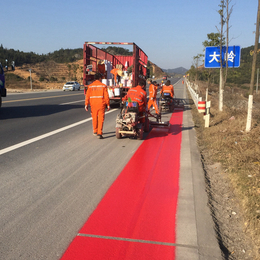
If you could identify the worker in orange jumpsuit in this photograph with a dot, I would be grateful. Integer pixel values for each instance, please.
(152, 96)
(97, 97)
(138, 94)
(168, 88)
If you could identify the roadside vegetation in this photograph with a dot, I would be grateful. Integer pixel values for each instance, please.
(235, 152)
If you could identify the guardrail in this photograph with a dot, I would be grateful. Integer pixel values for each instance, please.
(193, 88)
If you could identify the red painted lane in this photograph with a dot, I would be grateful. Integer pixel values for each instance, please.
(141, 204)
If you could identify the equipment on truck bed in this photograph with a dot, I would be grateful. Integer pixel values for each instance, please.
(126, 70)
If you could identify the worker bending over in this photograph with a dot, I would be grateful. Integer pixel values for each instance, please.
(152, 96)
(97, 97)
(138, 94)
(167, 88)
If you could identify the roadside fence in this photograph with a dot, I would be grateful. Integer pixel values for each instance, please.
(202, 106)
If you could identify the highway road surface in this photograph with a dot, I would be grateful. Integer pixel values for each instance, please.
(57, 179)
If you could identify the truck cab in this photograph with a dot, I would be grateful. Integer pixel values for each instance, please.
(2, 84)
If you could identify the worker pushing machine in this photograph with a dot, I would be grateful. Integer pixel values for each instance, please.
(138, 94)
(152, 96)
(97, 97)
(167, 88)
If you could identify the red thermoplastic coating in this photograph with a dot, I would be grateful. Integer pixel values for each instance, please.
(136, 217)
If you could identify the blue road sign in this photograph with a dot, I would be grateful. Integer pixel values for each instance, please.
(212, 56)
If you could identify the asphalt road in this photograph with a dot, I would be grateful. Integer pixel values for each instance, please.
(54, 172)
(49, 185)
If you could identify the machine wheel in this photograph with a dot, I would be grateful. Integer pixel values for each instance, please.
(172, 107)
(140, 133)
(160, 108)
(118, 135)
(158, 118)
(146, 125)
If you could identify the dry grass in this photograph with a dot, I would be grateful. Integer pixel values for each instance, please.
(226, 142)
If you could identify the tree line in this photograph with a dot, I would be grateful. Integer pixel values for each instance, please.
(60, 56)
(20, 57)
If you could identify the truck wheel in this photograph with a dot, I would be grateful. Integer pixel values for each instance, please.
(140, 133)
(118, 135)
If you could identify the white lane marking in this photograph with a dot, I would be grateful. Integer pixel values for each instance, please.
(35, 139)
(72, 102)
(20, 100)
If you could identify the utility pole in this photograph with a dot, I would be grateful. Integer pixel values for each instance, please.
(257, 77)
(30, 78)
(221, 82)
(251, 91)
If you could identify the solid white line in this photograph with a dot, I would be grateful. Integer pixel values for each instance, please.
(35, 139)
(72, 102)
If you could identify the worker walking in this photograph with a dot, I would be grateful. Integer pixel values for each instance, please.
(97, 97)
(152, 96)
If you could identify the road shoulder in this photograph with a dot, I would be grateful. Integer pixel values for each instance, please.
(195, 227)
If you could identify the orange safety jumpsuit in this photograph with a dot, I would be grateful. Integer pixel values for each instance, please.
(97, 97)
(152, 98)
(137, 94)
(168, 89)
(115, 72)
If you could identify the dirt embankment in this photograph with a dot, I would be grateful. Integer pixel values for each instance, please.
(231, 160)
(45, 75)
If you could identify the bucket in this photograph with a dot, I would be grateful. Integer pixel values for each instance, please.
(110, 92)
(105, 81)
(124, 82)
(110, 82)
(117, 92)
(129, 83)
(202, 106)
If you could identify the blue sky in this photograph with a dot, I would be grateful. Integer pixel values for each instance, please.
(170, 32)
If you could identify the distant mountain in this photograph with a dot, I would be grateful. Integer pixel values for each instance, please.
(179, 70)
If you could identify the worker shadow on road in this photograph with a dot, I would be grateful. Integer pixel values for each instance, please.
(109, 134)
(35, 111)
(183, 103)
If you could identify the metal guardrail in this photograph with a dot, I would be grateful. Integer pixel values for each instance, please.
(192, 89)
(196, 99)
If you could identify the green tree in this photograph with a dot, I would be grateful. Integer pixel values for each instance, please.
(213, 40)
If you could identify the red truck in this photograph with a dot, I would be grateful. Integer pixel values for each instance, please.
(98, 60)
